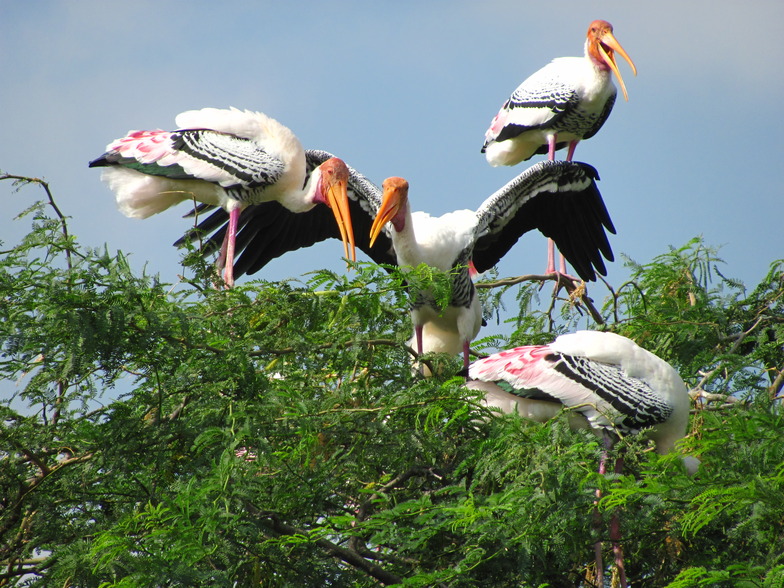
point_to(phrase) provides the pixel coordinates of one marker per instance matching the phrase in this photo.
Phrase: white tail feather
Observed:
(140, 195)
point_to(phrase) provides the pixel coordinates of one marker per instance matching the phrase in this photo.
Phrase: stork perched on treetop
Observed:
(564, 102)
(227, 158)
(606, 381)
(389, 233)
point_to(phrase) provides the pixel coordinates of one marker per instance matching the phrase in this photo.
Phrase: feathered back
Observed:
(609, 379)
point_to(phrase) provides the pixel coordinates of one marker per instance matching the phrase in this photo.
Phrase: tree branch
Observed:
(576, 291)
(52, 203)
(348, 556)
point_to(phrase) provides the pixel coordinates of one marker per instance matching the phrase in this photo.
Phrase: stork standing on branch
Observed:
(564, 102)
(227, 158)
(560, 199)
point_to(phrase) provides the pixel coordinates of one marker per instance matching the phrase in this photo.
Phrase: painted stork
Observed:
(606, 381)
(564, 102)
(228, 158)
(535, 199)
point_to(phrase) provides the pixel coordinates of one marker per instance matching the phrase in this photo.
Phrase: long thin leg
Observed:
(466, 352)
(615, 535)
(551, 146)
(597, 516)
(220, 263)
(418, 333)
(551, 254)
(570, 152)
(419, 346)
(551, 141)
(230, 241)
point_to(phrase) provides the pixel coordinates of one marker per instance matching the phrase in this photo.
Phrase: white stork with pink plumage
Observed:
(228, 158)
(605, 381)
(563, 103)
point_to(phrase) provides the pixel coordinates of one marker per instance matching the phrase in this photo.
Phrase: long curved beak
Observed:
(391, 202)
(336, 196)
(609, 39)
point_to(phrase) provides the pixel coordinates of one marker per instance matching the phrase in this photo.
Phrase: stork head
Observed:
(601, 46)
(393, 207)
(332, 190)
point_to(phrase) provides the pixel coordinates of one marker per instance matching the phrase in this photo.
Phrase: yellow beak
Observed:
(609, 39)
(395, 194)
(336, 197)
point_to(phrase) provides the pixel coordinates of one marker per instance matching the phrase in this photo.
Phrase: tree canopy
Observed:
(274, 434)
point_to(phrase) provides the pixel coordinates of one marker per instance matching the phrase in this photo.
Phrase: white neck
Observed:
(299, 199)
(404, 240)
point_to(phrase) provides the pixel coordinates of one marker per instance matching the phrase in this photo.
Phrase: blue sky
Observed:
(407, 88)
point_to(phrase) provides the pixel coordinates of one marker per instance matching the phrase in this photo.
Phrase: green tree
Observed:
(275, 435)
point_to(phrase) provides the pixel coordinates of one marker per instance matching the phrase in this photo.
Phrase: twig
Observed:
(561, 282)
(348, 556)
(52, 203)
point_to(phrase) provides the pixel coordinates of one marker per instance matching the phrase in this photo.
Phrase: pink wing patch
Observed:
(146, 147)
(498, 123)
(524, 364)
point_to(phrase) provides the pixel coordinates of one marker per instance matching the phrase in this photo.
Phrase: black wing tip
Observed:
(589, 169)
(573, 166)
(102, 161)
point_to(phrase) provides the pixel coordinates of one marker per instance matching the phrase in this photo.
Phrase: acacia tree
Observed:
(275, 435)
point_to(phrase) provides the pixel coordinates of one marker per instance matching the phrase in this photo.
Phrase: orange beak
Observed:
(335, 189)
(394, 198)
(609, 58)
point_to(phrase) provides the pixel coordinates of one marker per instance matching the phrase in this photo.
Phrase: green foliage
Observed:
(274, 434)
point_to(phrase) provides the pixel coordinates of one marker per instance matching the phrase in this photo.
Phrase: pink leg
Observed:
(569, 155)
(229, 242)
(221, 261)
(570, 152)
(615, 535)
(418, 333)
(597, 519)
(551, 141)
(466, 352)
(550, 257)
(551, 146)
(418, 336)
(562, 265)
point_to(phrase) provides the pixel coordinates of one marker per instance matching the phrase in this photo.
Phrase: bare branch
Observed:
(576, 290)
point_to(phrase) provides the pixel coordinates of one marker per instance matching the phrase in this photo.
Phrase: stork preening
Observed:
(606, 381)
(227, 158)
(560, 199)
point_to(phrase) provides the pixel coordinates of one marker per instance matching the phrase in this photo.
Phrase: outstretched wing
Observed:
(268, 230)
(559, 198)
